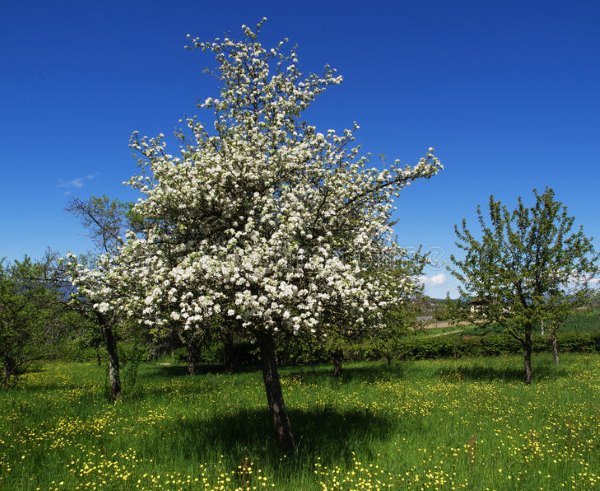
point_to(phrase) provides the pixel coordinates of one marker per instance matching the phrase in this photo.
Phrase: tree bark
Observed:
(8, 370)
(336, 359)
(527, 349)
(191, 359)
(555, 348)
(281, 422)
(113, 360)
(228, 353)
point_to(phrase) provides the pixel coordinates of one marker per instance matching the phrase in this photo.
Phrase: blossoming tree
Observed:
(261, 221)
(96, 291)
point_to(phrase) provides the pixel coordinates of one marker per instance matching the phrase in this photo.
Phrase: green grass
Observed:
(442, 424)
(582, 321)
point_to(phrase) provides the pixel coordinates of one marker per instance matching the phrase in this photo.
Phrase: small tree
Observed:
(529, 267)
(400, 322)
(105, 220)
(93, 294)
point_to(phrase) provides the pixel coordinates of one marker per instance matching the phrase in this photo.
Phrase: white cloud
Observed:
(76, 183)
(435, 280)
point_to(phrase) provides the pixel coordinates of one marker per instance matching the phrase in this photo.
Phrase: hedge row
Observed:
(246, 354)
(422, 347)
(414, 348)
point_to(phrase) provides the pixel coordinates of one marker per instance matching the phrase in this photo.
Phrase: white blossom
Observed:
(263, 218)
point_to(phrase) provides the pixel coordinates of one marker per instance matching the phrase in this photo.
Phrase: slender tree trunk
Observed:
(98, 357)
(191, 359)
(527, 349)
(336, 359)
(8, 370)
(555, 348)
(113, 360)
(228, 353)
(281, 422)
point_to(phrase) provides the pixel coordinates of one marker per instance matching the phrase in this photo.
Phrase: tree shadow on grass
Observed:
(24, 387)
(170, 388)
(163, 370)
(504, 374)
(177, 370)
(366, 373)
(33, 367)
(326, 434)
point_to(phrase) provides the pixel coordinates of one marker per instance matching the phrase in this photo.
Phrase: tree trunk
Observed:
(191, 359)
(336, 359)
(555, 348)
(527, 349)
(8, 370)
(228, 353)
(113, 360)
(98, 357)
(281, 422)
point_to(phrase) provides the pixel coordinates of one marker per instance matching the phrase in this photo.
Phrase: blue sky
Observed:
(507, 92)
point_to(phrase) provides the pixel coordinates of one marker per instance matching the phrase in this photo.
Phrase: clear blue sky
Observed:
(507, 92)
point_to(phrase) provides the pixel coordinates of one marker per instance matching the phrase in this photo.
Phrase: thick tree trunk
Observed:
(336, 360)
(527, 349)
(555, 348)
(281, 422)
(191, 359)
(113, 360)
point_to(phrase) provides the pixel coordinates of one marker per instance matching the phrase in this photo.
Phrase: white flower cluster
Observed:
(260, 219)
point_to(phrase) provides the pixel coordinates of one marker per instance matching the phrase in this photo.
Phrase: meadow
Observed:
(580, 322)
(437, 424)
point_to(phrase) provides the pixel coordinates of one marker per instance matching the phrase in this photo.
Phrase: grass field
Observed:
(444, 424)
(585, 321)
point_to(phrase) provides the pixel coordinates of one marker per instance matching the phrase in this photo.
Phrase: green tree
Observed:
(529, 268)
(30, 315)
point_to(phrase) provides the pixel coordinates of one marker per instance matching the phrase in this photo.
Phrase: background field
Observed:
(439, 424)
(580, 322)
